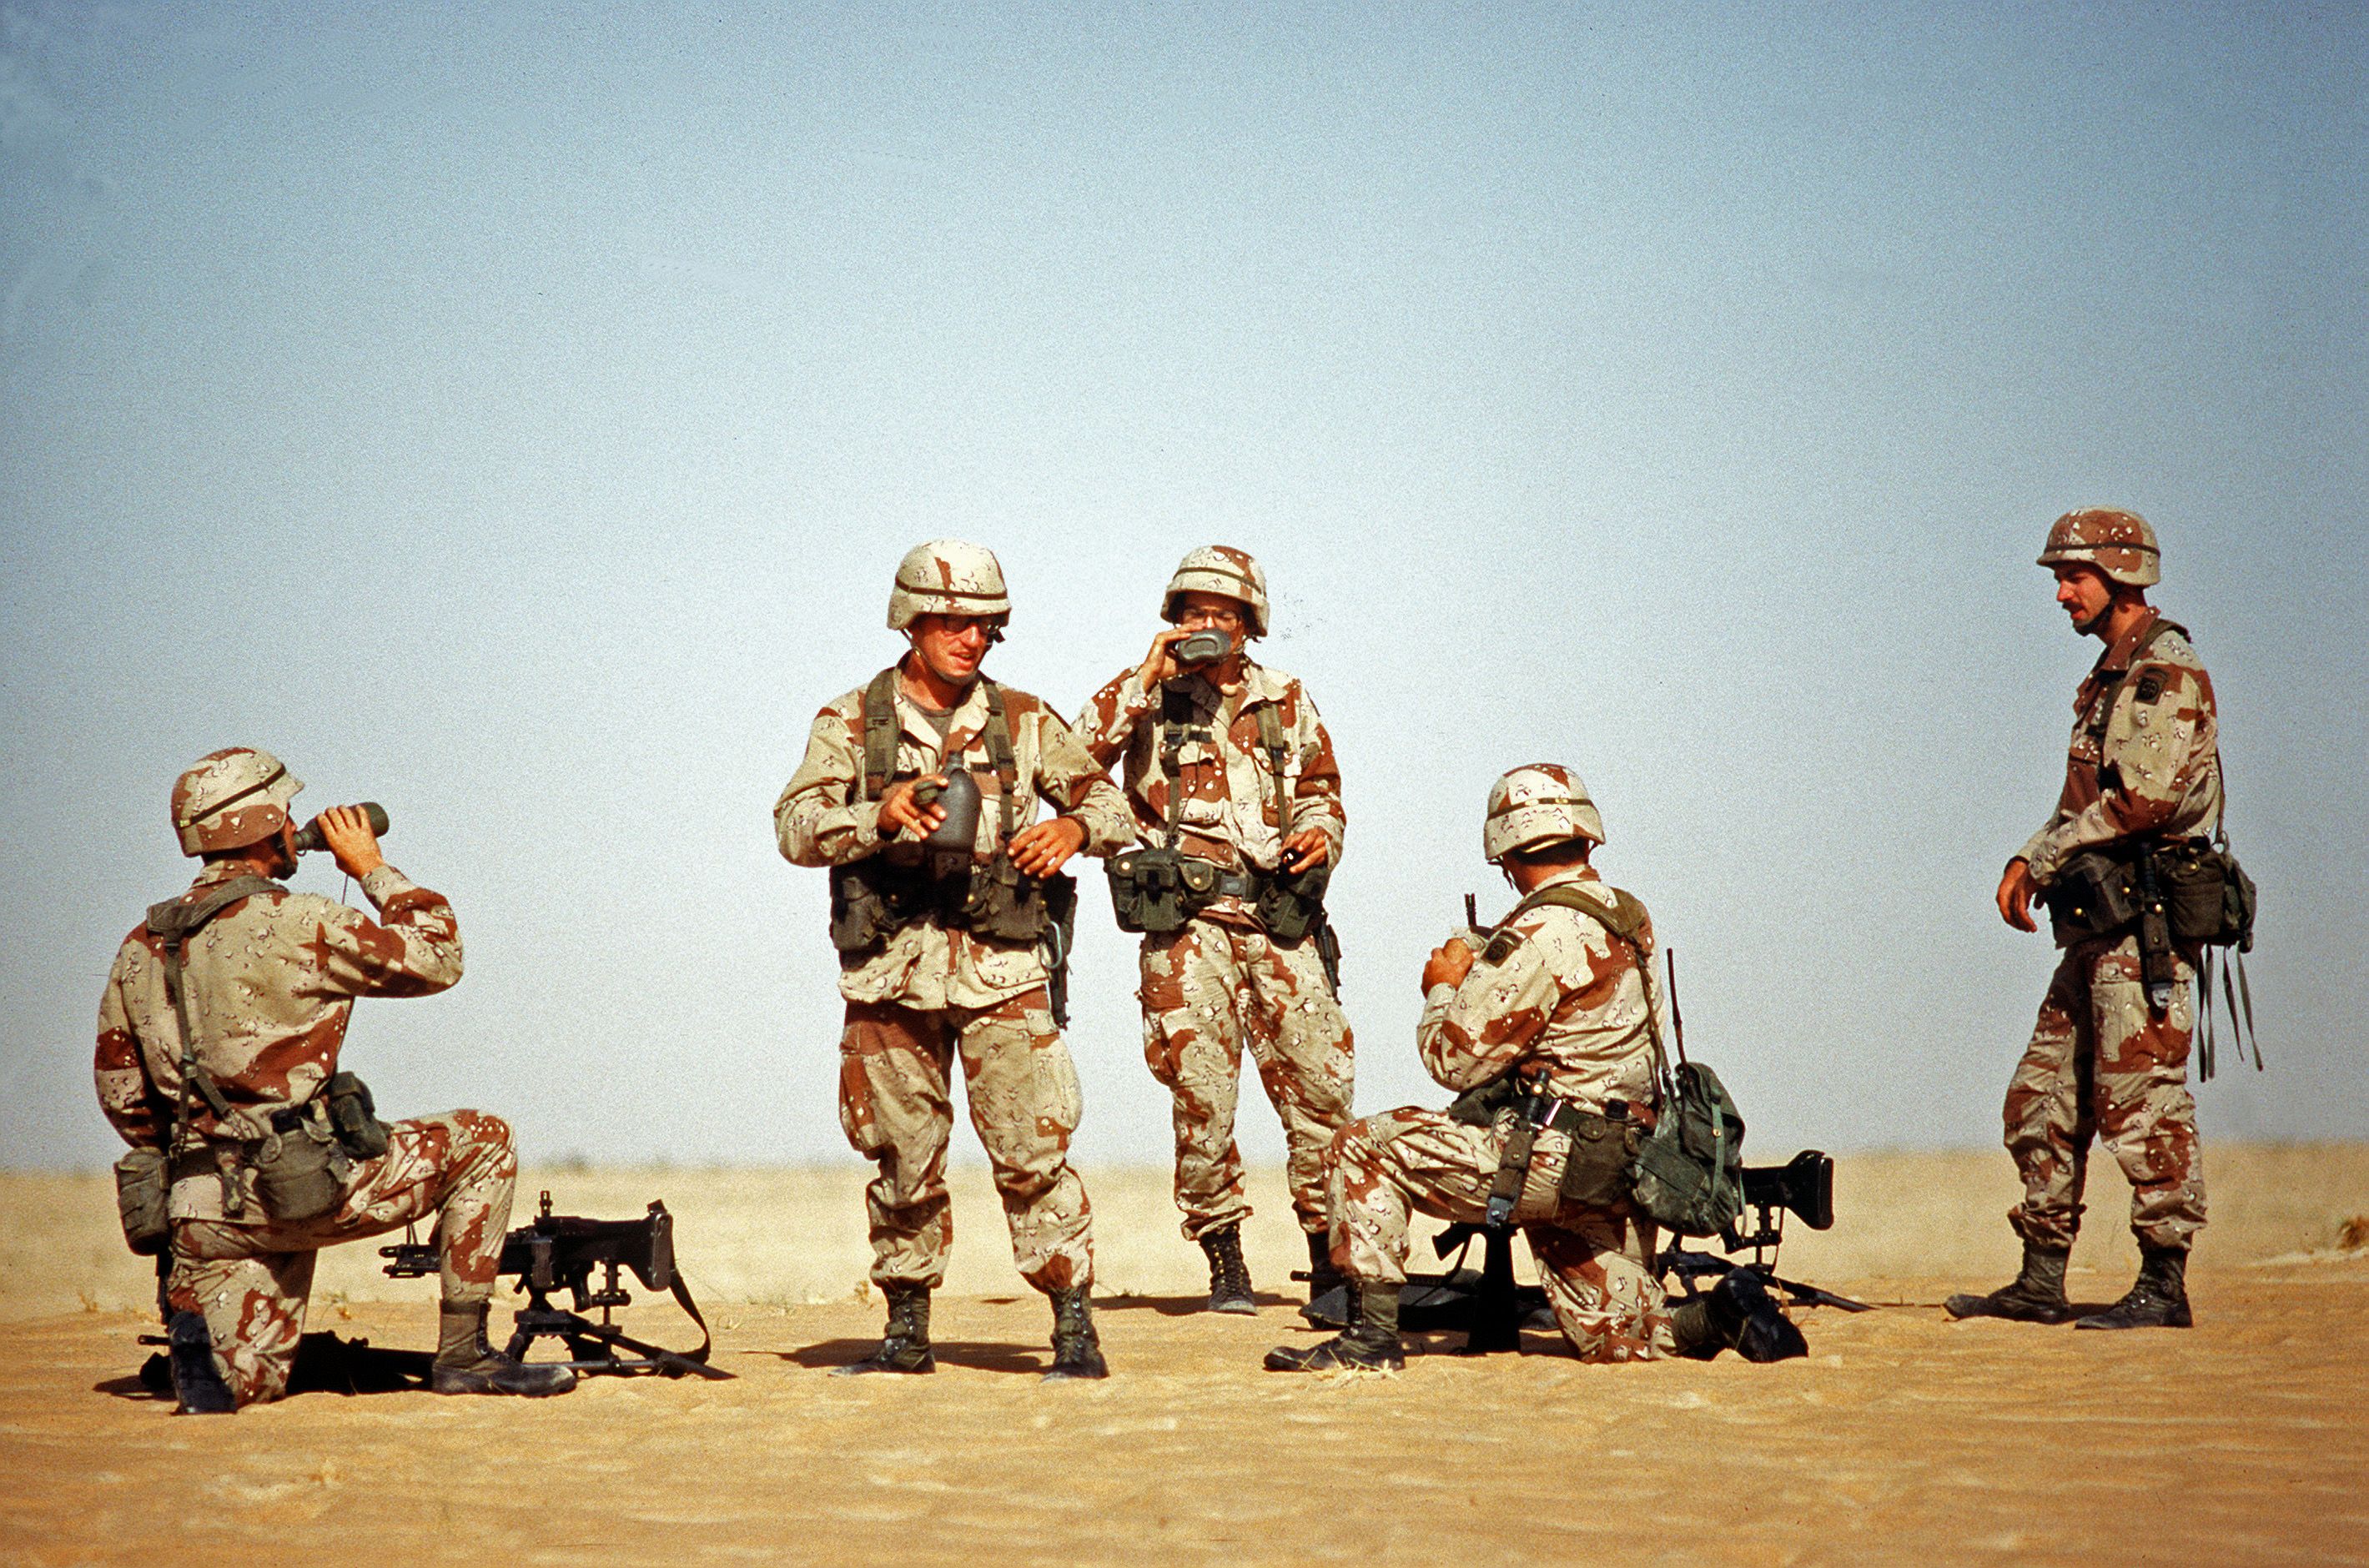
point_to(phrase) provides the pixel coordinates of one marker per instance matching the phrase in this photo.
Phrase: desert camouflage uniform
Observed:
(1220, 984)
(1567, 1008)
(932, 992)
(2145, 759)
(269, 984)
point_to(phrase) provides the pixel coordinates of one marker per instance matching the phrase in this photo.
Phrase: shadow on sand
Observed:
(974, 1355)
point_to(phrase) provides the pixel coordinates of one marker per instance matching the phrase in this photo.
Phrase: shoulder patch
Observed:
(2151, 685)
(1501, 946)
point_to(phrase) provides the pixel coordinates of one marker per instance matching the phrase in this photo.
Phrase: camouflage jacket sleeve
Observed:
(123, 1091)
(1477, 1032)
(2158, 768)
(822, 817)
(412, 949)
(1108, 722)
(1316, 799)
(1067, 775)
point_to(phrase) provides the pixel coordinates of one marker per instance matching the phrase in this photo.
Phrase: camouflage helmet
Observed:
(947, 577)
(1220, 569)
(1537, 804)
(232, 798)
(2119, 543)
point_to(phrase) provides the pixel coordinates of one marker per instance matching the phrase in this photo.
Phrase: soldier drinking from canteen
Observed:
(919, 791)
(1549, 1036)
(2131, 828)
(1234, 787)
(218, 1044)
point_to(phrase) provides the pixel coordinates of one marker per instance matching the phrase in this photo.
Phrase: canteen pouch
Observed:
(1156, 891)
(139, 1187)
(354, 1118)
(300, 1172)
(1688, 1176)
(2095, 895)
(1595, 1173)
(1291, 904)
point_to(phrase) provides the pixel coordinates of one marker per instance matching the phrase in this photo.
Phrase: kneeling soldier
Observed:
(1232, 778)
(218, 1042)
(1558, 1015)
(918, 791)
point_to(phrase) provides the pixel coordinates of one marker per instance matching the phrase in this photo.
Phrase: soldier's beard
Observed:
(2088, 627)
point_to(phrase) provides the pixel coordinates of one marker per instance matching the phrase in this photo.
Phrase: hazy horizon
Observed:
(515, 416)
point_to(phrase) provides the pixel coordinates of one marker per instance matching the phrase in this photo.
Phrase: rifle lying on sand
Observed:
(559, 1249)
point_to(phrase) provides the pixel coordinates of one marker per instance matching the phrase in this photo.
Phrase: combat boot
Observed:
(197, 1379)
(466, 1364)
(1736, 1315)
(2157, 1299)
(905, 1342)
(1371, 1345)
(1077, 1350)
(2036, 1295)
(1321, 1276)
(1229, 1278)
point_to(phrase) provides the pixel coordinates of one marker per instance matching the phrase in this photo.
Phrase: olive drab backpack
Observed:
(1687, 1177)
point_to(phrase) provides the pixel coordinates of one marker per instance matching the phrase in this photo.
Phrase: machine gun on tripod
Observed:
(1804, 1187)
(558, 1250)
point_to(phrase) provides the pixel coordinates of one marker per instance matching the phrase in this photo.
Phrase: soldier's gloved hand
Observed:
(1306, 848)
(347, 830)
(2015, 891)
(1040, 850)
(1450, 962)
(900, 814)
(1160, 664)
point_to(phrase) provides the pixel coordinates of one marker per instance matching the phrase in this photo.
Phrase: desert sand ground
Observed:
(1903, 1437)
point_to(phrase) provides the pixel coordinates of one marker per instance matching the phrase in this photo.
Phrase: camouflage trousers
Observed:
(1606, 1296)
(2100, 1063)
(1209, 991)
(894, 1105)
(251, 1281)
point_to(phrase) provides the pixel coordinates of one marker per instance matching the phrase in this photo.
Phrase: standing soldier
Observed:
(217, 1061)
(2110, 1053)
(1550, 1039)
(1232, 781)
(919, 790)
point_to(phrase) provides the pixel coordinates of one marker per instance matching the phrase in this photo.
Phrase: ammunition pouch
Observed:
(300, 1167)
(1291, 904)
(1157, 891)
(1595, 1174)
(1008, 905)
(2207, 895)
(2095, 895)
(141, 1183)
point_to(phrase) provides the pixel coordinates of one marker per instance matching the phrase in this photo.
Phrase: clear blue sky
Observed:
(514, 415)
